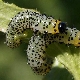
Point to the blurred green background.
(13, 62)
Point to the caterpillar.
(31, 19)
(45, 31)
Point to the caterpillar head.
(62, 27)
(57, 27)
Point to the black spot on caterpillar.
(31, 19)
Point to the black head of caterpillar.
(31, 19)
(62, 27)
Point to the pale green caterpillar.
(45, 31)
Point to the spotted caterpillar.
(45, 31)
(31, 19)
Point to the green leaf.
(7, 11)
(68, 57)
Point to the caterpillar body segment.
(39, 62)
